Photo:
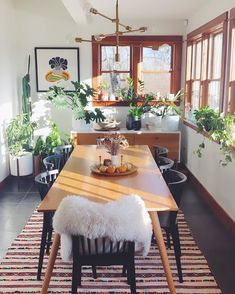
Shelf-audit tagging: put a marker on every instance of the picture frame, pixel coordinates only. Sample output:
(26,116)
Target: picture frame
(56,66)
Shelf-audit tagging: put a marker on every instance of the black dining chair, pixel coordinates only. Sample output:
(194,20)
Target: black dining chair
(102,252)
(55,161)
(64,150)
(164,163)
(43,183)
(160,151)
(168,220)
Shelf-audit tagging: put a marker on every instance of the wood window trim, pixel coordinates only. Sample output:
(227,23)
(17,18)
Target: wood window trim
(219,24)
(136,42)
(230,84)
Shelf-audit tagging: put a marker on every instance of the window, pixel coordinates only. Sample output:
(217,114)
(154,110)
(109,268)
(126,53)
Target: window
(156,60)
(205,65)
(231,65)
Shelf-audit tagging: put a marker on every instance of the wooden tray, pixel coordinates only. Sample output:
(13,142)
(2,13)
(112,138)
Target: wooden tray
(95,170)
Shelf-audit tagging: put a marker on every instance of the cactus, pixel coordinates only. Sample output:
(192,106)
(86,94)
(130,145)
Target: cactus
(26,95)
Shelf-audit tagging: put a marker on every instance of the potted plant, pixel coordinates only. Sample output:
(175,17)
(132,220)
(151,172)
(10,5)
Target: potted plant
(77,101)
(19,135)
(138,104)
(169,111)
(219,128)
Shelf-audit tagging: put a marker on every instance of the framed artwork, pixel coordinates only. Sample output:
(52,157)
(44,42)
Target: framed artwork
(56,66)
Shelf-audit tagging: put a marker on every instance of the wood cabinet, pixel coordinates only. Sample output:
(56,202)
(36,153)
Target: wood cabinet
(169,140)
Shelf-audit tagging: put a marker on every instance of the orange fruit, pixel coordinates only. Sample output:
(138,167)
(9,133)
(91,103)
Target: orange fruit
(123,168)
(110,169)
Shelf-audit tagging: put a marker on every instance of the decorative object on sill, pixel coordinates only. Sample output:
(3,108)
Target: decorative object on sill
(219,128)
(107,125)
(77,101)
(127,29)
(129,122)
(138,103)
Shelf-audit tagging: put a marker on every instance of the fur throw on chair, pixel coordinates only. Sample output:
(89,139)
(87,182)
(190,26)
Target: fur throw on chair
(123,220)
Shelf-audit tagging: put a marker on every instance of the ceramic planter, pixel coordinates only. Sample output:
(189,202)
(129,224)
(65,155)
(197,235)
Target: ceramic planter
(24,163)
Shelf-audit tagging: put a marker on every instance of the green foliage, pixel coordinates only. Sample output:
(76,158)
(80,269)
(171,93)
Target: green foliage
(219,128)
(77,101)
(166,106)
(138,103)
(19,135)
(39,146)
(26,95)
(45,147)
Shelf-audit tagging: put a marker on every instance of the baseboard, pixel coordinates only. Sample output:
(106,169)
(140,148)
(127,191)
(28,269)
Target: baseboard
(222,215)
(3,183)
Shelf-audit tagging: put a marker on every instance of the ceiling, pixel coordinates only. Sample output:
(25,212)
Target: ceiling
(135,10)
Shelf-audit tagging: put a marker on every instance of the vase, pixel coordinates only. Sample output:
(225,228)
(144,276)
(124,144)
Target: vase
(137,123)
(129,122)
(115,160)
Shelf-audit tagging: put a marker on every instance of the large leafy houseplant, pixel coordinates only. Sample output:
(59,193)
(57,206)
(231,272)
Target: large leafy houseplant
(218,128)
(77,101)
(19,135)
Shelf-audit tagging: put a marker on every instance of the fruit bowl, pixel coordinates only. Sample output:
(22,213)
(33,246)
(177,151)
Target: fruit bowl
(125,169)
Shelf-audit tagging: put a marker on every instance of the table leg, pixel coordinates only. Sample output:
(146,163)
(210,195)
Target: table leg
(162,249)
(51,262)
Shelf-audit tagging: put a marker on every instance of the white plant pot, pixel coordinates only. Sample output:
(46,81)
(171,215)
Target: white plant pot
(170,123)
(25,164)
(151,121)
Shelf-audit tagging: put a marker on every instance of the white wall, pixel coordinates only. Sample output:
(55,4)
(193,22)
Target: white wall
(218,180)
(8,80)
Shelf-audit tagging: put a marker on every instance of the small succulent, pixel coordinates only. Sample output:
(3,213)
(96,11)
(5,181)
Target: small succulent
(58,63)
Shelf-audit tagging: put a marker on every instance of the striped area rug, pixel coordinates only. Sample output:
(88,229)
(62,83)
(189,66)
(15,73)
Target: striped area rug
(18,269)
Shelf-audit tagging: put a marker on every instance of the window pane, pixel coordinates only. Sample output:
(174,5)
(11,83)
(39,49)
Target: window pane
(157,82)
(189,58)
(193,63)
(217,56)
(113,82)
(232,61)
(108,58)
(159,60)
(204,59)
(214,95)
(198,60)
(195,94)
(210,56)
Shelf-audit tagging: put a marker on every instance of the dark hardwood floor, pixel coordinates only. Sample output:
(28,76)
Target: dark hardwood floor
(19,198)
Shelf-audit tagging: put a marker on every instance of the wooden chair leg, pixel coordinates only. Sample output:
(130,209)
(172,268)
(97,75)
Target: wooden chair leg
(94,272)
(131,275)
(43,245)
(177,250)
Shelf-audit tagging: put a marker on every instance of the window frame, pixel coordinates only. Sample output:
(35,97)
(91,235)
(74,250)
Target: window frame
(212,28)
(136,43)
(230,104)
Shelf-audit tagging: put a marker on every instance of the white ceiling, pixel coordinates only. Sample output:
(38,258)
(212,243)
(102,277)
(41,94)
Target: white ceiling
(135,10)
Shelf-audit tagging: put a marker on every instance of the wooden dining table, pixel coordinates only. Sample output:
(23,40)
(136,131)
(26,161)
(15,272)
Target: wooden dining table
(76,178)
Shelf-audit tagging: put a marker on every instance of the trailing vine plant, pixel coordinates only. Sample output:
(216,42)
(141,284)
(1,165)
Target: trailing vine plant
(76,100)
(219,128)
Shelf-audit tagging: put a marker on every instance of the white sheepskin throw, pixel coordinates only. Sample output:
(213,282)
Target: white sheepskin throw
(123,220)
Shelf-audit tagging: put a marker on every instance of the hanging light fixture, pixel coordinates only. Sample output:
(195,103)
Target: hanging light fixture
(117,33)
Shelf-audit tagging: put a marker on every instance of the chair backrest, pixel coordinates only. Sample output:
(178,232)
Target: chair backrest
(164,163)
(54,162)
(65,150)
(100,246)
(160,151)
(45,180)
(175,181)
